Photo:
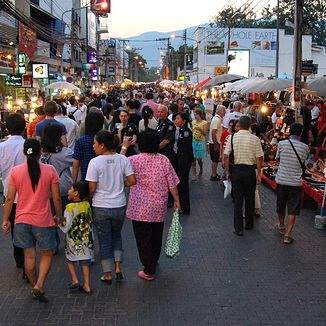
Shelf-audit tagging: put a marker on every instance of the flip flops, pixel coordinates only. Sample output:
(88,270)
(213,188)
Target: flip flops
(40,295)
(287,239)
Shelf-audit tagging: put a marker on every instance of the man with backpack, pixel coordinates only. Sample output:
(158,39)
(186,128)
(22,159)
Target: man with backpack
(73,110)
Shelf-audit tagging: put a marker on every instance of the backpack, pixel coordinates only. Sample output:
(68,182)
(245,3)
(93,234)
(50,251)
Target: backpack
(71,115)
(45,159)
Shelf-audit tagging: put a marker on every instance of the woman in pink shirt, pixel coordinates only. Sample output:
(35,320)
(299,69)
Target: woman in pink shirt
(34,223)
(148,199)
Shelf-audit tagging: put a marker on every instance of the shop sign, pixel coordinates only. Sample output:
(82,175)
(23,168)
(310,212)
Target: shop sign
(40,70)
(111,70)
(307,67)
(27,40)
(219,70)
(27,81)
(91,57)
(88,66)
(99,7)
(13,80)
(22,63)
(93,72)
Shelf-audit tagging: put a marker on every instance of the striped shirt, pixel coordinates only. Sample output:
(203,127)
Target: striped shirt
(247,148)
(289,172)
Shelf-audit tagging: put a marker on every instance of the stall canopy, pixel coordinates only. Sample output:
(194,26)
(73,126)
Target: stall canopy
(202,83)
(63,85)
(267,85)
(318,85)
(222,79)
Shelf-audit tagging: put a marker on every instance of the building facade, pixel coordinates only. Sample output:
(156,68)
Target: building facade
(249,52)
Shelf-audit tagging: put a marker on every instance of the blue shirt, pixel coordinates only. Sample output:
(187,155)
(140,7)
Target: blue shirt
(84,152)
(41,125)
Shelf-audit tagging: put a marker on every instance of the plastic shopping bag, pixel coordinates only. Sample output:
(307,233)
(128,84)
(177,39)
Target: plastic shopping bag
(228,188)
(172,248)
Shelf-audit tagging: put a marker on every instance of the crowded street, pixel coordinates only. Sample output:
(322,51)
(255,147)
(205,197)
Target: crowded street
(162,166)
(218,278)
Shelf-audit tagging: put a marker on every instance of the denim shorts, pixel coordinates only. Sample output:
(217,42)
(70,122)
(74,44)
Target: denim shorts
(82,262)
(27,236)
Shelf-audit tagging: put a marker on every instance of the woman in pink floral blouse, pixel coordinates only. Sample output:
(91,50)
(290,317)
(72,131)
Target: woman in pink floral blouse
(147,205)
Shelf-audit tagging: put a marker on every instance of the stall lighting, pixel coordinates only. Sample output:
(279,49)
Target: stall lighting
(264,109)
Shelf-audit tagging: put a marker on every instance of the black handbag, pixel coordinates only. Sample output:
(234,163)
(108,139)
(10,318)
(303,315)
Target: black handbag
(303,167)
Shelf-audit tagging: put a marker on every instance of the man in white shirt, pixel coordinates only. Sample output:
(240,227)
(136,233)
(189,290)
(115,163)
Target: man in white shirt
(73,110)
(71,127)
(214,139)
(11,153)
(235,115)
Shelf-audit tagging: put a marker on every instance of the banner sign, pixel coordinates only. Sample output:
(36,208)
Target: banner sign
(27,40)
(261,42)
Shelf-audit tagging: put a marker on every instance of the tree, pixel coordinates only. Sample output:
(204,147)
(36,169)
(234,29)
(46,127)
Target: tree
(314,17)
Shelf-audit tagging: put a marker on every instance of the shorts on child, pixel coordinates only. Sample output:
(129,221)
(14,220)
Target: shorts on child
(82,262)
(27,236)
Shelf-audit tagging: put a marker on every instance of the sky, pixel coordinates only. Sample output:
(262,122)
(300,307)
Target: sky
(131,18)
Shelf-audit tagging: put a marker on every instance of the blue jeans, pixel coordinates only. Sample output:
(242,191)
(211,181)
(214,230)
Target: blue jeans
(108,223)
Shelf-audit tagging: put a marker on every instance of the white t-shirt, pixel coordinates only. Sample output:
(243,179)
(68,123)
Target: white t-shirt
(315,112)
(235,115)
(109,171)
(274,118)
(216,123)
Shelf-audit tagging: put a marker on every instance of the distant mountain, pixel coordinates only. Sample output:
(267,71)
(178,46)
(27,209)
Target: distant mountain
(149,48)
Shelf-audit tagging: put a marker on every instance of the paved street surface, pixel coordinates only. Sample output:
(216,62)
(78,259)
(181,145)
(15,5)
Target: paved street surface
(219,278)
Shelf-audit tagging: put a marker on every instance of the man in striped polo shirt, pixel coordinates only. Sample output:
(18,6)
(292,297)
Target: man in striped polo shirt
(248,155)
(288,179)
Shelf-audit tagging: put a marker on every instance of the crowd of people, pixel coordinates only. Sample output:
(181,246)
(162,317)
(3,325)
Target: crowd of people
(68,170)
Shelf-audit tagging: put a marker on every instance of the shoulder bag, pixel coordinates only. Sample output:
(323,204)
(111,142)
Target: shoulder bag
(303,167)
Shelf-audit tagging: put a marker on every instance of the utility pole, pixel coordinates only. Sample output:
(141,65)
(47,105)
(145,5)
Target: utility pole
(297,60)
(72,46)
(98,49)
(277,39)
(169,60)
(123,59)
(185,63)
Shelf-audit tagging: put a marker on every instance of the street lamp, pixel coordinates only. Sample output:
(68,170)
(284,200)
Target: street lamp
(185,54)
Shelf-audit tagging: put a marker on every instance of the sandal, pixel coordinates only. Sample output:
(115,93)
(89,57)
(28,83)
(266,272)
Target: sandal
(39,295)
(287,239)
(280,229)
(106,280)
(81,289)
(74,286)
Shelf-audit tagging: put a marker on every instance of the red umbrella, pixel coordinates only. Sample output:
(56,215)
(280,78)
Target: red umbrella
(202,83)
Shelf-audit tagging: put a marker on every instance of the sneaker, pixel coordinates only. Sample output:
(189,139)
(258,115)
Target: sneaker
(145,277)
(217,177)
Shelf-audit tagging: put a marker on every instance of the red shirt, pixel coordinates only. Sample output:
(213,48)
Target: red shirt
(224,135)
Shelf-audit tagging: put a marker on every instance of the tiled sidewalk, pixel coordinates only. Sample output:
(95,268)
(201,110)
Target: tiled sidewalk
(219,278)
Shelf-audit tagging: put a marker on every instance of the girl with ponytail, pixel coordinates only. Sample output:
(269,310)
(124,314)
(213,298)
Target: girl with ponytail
(148,120)
(34,224)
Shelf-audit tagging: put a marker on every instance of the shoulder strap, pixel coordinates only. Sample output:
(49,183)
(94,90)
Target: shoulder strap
(299,159)
(232,144)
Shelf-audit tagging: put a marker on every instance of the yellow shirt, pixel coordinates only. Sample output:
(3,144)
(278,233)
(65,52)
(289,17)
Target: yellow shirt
(196,134)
